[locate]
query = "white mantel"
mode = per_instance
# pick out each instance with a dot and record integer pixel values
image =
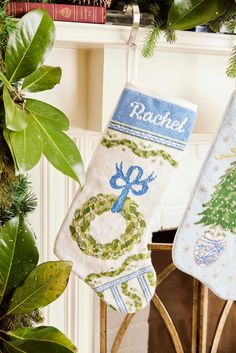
(79, 35)
(93, 59)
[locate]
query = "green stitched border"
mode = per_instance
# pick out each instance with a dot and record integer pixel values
(109, 143)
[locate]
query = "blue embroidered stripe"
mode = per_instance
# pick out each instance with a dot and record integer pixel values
(123, 279)
(145, 288)
(154, 116)
(119, 300)
(146, 136)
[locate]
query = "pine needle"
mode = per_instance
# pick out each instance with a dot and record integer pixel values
(21, 200)
(231, 25)
(231, 69)
(170, 35)
(7, 25)
(223, 19)
(150, 40)
(154, 9)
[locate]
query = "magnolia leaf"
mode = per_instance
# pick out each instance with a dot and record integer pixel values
(29, 44)
(41, 287)
(61, 152)
(18, 254)
(10, 348)
(16, 117)
(58, 148)
(48, 113)
(27, 146)
(6, 134)
(46, 77)
(41, 339)
(187, 14)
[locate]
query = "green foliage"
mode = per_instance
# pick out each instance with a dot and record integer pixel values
(60, 150)
(187, 14)
(27, 146)
(6, 27)
(16, 118)
(18, 254)
(37, 340)
(16, 196)
(13, 322)
(151, 39)
(219, 211)
(170, 15)
(41, 287)
(46, 77)
(25, 288)
(231, 69)
(29, 45)
(31, 127)
(227, 18)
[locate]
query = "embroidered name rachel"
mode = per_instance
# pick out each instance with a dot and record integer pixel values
(165, 120)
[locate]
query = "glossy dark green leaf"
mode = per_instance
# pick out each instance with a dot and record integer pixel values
(58, 148)
(41, 287)
(41, 339)
(187, 14)
(6, 134)
(27, 146)
(8, 347)
(29, 44)
(18, 254)
(46, 77)
(61, 151)
(48, 113)
(16, 118)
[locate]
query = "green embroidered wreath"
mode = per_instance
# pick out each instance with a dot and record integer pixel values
(97, 205)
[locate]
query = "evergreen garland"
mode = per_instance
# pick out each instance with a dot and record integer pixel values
(151, 39)
(160, 11)
(231, 69)
(16, 195)
(6, 26)
(227, 19)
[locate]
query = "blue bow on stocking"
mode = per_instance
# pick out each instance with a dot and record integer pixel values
(130, 182)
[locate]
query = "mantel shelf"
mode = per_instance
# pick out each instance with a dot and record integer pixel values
(81, 35)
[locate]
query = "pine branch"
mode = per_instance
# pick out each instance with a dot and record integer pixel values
(231, 69)
(151, 39)
(154, 9)
(231, 25)
(224, 19)
(20, 199)
(7, 25)
(170, 35)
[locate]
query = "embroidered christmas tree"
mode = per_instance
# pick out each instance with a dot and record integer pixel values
(219, 215)
(220, 211)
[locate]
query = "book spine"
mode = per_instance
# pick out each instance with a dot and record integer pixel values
(60, 12)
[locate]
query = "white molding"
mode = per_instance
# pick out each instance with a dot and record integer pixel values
(82, 35)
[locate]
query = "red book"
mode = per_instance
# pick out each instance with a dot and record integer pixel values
(60, 12)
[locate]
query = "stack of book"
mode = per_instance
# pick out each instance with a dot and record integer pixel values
(81, 11)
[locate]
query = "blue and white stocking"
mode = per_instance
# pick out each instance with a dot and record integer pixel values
(107, 229)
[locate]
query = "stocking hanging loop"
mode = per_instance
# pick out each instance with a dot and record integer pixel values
(132, 53)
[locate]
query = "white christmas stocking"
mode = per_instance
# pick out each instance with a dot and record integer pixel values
(205, 244)
(107, 228)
